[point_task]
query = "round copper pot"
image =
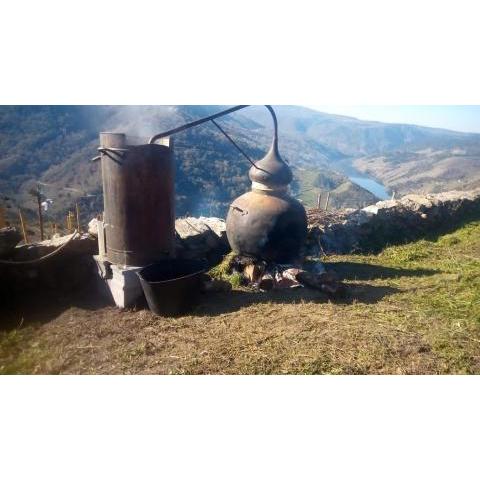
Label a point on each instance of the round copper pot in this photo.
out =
(268, 225)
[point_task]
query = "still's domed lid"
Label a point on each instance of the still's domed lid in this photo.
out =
(271, 171)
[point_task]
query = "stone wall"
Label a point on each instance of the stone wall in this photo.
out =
(336, 232)
(390, 222)
(64, 272)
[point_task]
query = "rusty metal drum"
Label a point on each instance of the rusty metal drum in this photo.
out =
(138, 194)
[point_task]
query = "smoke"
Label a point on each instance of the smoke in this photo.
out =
(140, 122)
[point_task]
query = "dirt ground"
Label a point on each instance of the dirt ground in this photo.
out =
(413, 309)
(294, 331)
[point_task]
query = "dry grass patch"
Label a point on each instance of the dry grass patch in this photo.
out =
(411, 309)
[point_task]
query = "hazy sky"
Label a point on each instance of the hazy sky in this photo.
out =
(464, 118)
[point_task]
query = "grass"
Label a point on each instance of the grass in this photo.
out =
(223, 271)
(307, 190)
(412, 309)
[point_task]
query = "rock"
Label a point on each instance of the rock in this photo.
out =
(387, 222)
(93, 227)
(266, 283)
(9, 237)
(81, 245)
(287, 278)
(191, 228)
(217, 225)
(201, 237)
(291, 273)
(384, 204)
(327, 282)
(68, 270)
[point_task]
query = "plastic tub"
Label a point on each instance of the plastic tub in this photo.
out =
(172, 286)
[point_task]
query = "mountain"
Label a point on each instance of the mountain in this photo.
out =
(354, 138)
(426, 170)
(405, 158)
(53, 145)
(318, 184)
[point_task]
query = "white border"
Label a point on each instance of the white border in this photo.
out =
(218, 52)
(239, 427)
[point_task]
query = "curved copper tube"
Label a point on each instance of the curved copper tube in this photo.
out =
(213, 117)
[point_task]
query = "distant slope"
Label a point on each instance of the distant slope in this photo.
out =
(352, 137)
(53, 145)
(406, 158)
(428, 170)
(342, 192)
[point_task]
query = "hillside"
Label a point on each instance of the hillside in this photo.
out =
(428, 170)
(405, 158)
(412, 309)
(343, 193)
(53, 145)
(352, 137)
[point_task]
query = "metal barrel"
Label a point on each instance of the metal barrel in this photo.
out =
(138, 195)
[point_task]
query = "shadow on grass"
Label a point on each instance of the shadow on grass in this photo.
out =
(365, 271)
(221, 303)
(42, 307)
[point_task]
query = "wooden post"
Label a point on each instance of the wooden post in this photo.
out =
(69, 221)
(328, 200)
(40, 215)
(78, 218)
(2, 217)
(24, 229)
(72, 220)
(319, 197)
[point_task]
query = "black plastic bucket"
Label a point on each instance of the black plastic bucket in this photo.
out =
(172, 286)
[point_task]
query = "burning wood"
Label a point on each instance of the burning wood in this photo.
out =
(259, 275)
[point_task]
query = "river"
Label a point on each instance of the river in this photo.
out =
(366, 182)
(372, 186)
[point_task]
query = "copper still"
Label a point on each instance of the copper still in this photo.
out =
(266, 222)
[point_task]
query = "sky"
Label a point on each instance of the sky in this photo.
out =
(463, 118)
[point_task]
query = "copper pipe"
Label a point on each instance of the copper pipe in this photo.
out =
(217, 115)
(195, 123)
